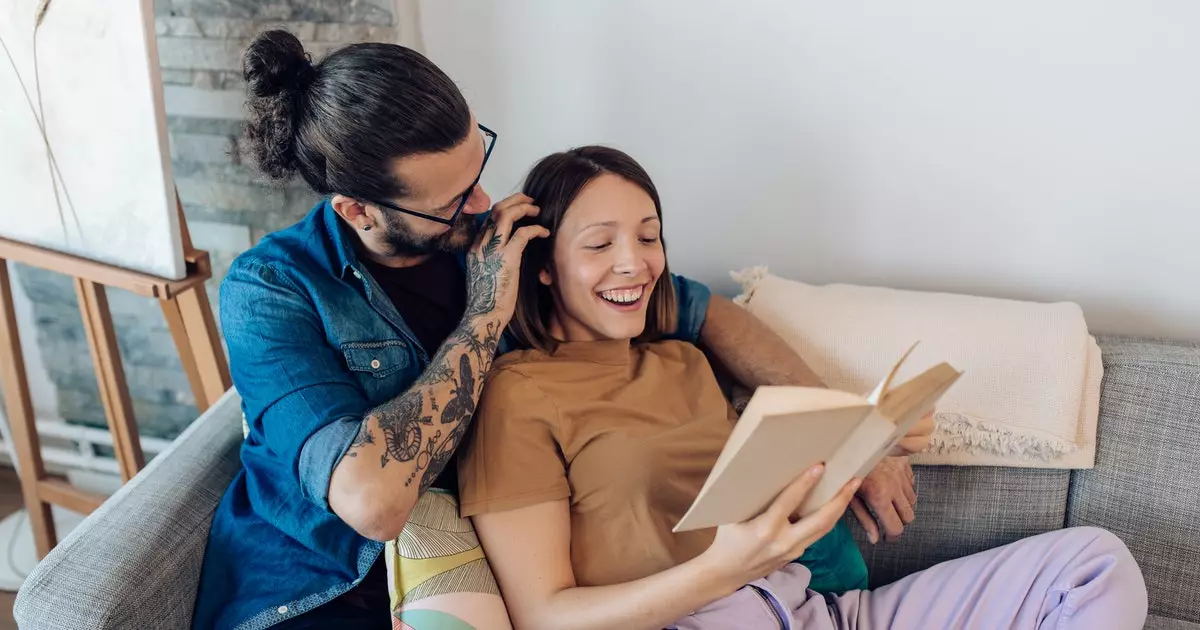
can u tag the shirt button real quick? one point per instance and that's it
(374, 364)
(281, 610)
(356, 274)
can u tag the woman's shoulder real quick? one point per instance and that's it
(674, 349)
(517, 371)
(520, 361)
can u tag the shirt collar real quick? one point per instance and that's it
(343, 246)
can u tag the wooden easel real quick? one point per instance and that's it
(189, 317)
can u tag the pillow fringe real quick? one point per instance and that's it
(749, 278)
(960, 433)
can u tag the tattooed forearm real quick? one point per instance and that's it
(483, 271)
(401, 422)
(415, 428)
(457, 412)
(365, 436)
(419, 435)
(482, 345)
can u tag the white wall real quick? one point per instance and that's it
(1044, 150)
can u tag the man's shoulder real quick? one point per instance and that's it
(303, 248)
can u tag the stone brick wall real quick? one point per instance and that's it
(200, 44)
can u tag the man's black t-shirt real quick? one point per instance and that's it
(431, 298)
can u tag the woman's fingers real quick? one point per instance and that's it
(794, 494)
(810, 529)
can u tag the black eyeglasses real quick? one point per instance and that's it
(489, 140)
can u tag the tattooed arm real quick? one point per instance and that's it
(403, 444)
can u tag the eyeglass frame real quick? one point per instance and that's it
(465, 196)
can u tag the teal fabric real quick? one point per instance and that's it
(836, 563)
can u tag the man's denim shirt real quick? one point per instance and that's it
(314, 343)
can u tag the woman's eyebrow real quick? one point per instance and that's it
(614, 223)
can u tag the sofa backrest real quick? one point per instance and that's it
(1145, 487)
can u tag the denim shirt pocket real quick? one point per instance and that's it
(379, 366)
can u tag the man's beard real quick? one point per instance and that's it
(455, 240)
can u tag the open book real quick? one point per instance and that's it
(786, 430)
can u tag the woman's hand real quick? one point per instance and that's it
(750, 550)
(494, 262)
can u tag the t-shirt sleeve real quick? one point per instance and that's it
(513, 458)
(693, 308)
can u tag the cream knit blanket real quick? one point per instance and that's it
(1030, 391)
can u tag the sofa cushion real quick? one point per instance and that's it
(1166, 623)
(135, 561)
(965, 510)
(1145, 487)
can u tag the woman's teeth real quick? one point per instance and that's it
(623, 296)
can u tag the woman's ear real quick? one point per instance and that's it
(545, 278)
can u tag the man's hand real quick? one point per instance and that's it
(886, 499)
(917, 438)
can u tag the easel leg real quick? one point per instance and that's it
(190, 318)
(174, 317)
(114, 391)
(26, 445)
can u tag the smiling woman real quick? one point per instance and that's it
(606, 258)
(590, 447)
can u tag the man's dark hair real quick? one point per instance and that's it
(342, 123)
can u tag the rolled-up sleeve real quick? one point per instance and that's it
(693, 307)
(300, 401)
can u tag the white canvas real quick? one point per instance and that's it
(102, 189)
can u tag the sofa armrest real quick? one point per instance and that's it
(135, 562)
(1144, 487)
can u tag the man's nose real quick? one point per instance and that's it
(478, 202)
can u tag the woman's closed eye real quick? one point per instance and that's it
(598, 246)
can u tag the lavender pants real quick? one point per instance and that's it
(1080, 579)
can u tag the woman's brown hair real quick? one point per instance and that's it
(554, 183)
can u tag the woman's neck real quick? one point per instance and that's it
(574, 334)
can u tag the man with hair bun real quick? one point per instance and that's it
(359, 337)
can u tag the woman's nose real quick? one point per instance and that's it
(628, 262)
(478, 201)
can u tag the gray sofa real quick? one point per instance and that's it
(135, 562)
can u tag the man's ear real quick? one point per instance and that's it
(352, 210)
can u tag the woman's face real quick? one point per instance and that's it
(607, 258)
